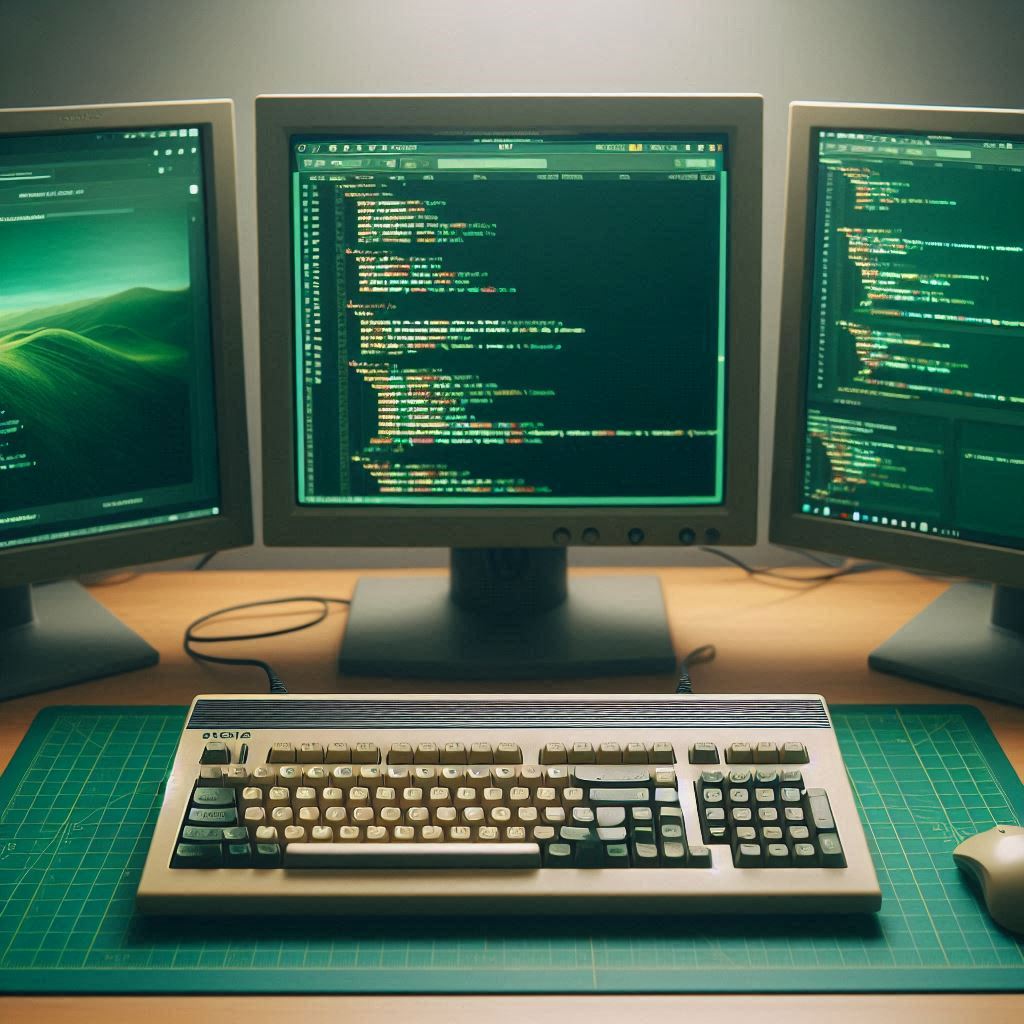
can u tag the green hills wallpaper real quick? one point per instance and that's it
(102, 392)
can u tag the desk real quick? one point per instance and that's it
(770, 636)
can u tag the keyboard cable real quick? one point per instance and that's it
(276, 683)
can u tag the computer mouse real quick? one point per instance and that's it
(995, 860)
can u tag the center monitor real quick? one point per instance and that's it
(507, 325)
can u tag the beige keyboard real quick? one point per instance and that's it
(533, 804)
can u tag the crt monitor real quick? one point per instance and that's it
(122, 415)
(507, 325)
(900, 430)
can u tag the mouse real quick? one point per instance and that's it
(995, 860)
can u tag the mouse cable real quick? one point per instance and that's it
(698, 656)
(276, 683)
(750, 570)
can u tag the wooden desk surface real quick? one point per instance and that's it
(770, 636)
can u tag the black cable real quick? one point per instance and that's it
(205, 560)
(276, 683)
(698, 656)
(750, 570)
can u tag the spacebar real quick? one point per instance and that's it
(412, 855)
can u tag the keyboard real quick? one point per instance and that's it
(483, 804)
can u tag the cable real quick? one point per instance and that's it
(275, 681)
(205, 560)
(698, 656)
(750, 570)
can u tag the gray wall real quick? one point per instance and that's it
(911, 51)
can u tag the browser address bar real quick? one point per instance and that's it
(495, 163)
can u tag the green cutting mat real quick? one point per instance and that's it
(82, 792)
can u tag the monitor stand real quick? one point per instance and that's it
(55, 634)
(507, 613)
(970, 639)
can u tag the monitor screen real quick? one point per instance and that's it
(107, 406)
(914, 413)
(489, 320)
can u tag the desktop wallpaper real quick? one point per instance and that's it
(96, 327)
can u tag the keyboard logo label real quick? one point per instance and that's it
(227, 735)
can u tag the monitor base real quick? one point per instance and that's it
(954, 643)
(411, 628)
(55, 634)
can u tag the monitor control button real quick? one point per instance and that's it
(712, 536)
(687, 536)
(636, 535)
(591, 536)
(561, 536)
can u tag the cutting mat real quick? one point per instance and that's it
(82, 792)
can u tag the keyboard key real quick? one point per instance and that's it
(266, 855)
(237, 855)
(281, 753)
(747, 855)
(480, 753)
(400, 753)
(804, 855)
(739, 753)
(793, 753)
(582, 753)
(612, 835)
(662, 753)
(553, 753)
(616, 855)
(215, 752)
(197, 855)
(634, 753)
(212, 816)
(211, 774)
(699, 857)
(427, 753)
(703, 753)
(205, 796)
(830, 851)
(453, 753)
(365, 752)
(557, 855)
(643, 850)
(407, 854)
(620, 797)
(766, 777)
(673, 855)
(610, 817)
(711, 777)
(310, 753)
(611, 775)
(766, 753)
(508, 753)
(776, 855)
(338, 753)
(609, 753)
(820, 811)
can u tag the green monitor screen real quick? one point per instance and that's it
(915, 371)
(900, 417)
(489, 321)
(107, 411)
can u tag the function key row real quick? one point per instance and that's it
(455, 752)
